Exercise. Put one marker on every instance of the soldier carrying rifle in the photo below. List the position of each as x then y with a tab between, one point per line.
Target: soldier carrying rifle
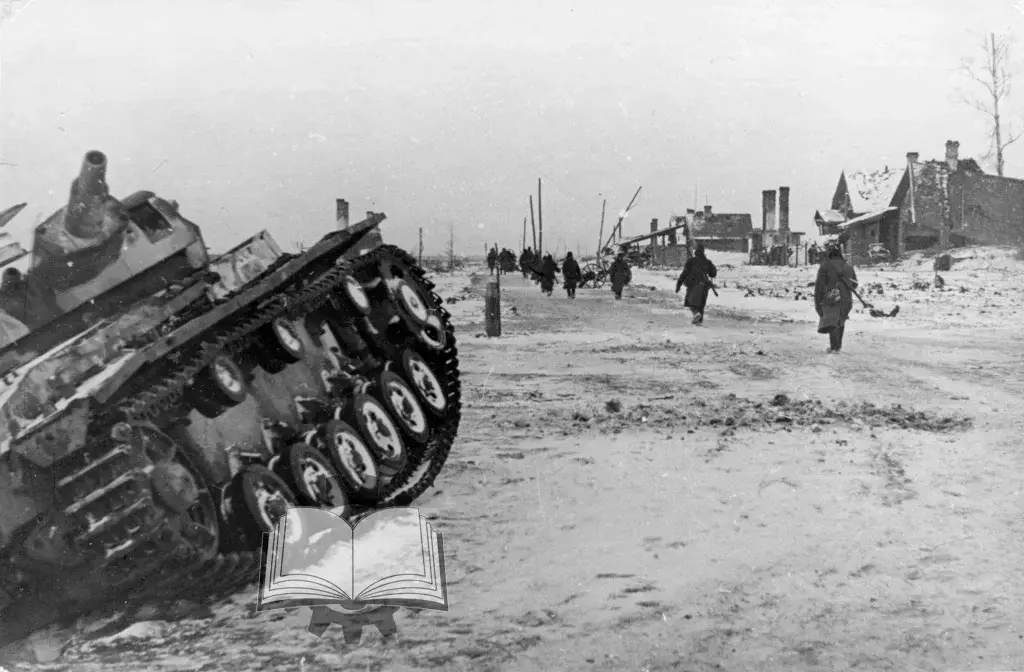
696	275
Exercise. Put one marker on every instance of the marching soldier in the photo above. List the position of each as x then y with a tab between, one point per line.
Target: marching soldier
696	275
571	273
833	295
620	274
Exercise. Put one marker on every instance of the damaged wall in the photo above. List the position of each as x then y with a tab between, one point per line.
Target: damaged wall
978	209
987	209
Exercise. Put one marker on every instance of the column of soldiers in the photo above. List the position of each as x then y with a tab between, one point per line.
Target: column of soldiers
505	261
833	288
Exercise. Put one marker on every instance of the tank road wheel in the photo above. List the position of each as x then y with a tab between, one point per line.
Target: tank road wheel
281	345
258	498
378	429
354	462
312	476
403	406
219	386
433	334
411	305
425	382
353	291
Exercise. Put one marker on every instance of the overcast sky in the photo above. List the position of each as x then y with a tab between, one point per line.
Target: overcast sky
259	113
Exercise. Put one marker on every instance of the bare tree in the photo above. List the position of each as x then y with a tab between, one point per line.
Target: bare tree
994	76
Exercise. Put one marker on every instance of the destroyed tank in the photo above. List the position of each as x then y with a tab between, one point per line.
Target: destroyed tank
162	407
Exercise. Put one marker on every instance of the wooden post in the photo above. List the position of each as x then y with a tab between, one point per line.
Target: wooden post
533	225
540	220
600	235
524	235
492	305
421	247
492	308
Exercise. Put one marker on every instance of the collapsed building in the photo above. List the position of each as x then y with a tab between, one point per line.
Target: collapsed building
724	232
774	244
924	204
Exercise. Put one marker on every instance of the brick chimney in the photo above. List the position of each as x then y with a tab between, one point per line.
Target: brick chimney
341	213
783	208
654	225
707	210
952	155
768	210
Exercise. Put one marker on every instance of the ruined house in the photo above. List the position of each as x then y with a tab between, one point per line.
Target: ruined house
926	204
775	232
725	232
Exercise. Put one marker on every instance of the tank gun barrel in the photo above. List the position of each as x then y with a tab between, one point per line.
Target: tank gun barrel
84	215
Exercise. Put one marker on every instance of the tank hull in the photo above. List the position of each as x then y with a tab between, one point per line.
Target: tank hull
128	454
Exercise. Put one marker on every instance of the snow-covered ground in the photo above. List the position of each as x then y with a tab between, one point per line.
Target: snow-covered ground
631	492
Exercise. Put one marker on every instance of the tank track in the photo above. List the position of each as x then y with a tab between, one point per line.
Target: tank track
104	487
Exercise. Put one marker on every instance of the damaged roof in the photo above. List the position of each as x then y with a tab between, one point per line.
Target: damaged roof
874	191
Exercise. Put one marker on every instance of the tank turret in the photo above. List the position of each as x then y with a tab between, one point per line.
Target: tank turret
94	257
76	243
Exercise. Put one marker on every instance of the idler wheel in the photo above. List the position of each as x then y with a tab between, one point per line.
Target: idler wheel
312	476
175	486
354	463
378	429
403	406
221	385
426	383
259	498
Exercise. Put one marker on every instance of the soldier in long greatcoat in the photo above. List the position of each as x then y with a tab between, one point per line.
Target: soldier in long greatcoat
571	273
833	295
620	274
697	274
548	269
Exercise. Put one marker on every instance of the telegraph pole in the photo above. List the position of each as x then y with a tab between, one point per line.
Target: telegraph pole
540	220
533	225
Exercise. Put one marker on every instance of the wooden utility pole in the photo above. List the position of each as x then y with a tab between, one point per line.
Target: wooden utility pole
421	247
524	235
540	220
533	225
451	247
600	234
617	229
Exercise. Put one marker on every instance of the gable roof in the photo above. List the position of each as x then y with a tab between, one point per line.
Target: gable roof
874	191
